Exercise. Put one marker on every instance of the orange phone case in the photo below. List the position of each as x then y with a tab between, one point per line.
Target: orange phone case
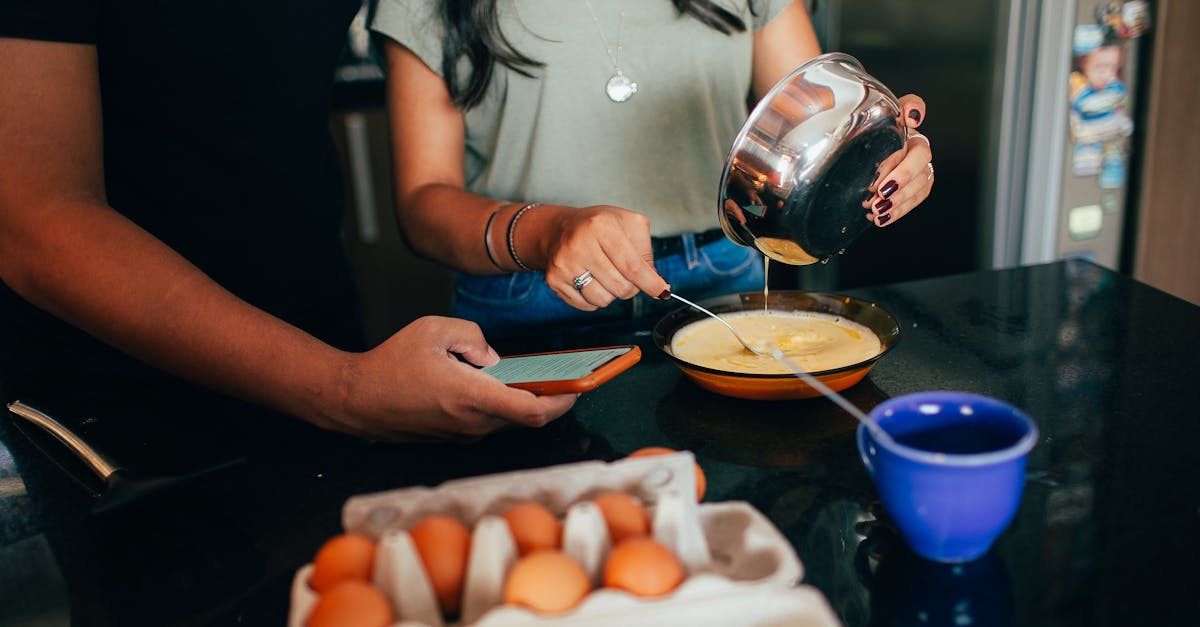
610	369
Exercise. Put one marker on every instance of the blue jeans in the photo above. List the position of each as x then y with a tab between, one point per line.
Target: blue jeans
518	303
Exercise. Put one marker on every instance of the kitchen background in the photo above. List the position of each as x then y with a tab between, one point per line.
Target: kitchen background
1018	181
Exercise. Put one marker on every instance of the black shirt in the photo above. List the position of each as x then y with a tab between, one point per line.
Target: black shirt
217	141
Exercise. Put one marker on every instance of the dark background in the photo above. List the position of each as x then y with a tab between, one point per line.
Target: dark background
944	52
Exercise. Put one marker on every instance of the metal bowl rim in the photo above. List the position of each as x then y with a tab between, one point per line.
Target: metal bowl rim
764	103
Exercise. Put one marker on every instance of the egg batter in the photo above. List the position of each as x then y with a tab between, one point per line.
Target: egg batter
815	342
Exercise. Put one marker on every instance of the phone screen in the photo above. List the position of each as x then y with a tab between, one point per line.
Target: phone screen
553	366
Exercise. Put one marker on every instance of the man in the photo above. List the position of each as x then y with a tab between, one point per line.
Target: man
170	202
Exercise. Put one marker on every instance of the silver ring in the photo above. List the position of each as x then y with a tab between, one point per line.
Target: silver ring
583	280
930	170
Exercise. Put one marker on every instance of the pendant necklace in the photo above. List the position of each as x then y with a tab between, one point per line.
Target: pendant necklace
619	87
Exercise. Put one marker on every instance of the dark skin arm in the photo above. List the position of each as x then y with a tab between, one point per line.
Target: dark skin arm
66	251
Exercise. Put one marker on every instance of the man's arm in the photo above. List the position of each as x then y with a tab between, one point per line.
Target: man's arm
65	250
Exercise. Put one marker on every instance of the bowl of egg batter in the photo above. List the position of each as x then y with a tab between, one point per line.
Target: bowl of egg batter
835	338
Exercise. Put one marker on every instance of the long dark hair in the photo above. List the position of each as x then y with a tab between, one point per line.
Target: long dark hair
472	31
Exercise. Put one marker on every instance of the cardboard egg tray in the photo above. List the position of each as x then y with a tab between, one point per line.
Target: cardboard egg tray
740	568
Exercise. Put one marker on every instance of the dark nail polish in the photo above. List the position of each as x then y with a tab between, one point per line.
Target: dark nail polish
915	115
883	206
666	295
889	188
883	218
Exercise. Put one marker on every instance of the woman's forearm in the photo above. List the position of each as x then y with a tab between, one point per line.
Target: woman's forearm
476	234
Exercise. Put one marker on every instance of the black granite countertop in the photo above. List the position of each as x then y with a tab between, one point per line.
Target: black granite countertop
1107	532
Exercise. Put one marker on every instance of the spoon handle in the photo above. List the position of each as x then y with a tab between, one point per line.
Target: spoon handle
722	321
816	384
841	401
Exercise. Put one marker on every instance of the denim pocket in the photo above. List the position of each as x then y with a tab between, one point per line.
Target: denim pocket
510	302
722	268
725	258
511	290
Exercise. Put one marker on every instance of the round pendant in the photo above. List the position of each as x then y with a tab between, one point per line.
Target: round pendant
619	88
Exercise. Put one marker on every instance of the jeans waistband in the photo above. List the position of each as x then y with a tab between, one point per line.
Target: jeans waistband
667	246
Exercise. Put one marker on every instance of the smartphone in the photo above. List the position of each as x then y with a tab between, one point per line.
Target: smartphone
564	372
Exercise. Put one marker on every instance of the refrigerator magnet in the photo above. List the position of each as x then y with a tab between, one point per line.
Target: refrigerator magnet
1112	168
1087	38
1136	16
1086	158
1085	222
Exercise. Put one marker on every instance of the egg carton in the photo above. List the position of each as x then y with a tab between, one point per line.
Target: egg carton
740	568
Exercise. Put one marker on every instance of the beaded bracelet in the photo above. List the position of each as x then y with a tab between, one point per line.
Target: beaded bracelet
512	243
487	239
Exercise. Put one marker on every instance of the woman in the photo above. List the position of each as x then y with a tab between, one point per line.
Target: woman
614	117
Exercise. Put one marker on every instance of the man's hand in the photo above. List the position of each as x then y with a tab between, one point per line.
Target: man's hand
424	382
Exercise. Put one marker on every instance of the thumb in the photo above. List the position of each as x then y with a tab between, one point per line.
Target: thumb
465	339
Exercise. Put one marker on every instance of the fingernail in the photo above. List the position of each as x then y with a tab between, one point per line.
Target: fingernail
883	218
883	206
889	188
666	295
915	115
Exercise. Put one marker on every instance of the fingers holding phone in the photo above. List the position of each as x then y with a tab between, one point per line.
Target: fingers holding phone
424	382
517	407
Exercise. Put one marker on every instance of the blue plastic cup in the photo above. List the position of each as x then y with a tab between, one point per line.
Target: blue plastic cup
951	470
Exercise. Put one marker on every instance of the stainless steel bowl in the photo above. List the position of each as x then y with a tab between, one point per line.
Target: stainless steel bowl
798	177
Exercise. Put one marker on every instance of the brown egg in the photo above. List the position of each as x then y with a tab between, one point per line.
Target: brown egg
342	557
352	603
643	567
623	515
546	581
701	480
533	527
443	544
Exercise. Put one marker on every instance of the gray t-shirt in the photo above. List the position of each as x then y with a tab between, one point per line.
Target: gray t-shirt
557	138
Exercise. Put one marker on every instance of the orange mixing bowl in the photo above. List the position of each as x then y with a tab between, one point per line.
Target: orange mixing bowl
780	386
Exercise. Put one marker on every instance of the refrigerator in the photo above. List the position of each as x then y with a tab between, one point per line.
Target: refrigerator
1066	191
1019	179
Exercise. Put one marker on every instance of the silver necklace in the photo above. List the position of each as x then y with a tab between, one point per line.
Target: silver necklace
619	87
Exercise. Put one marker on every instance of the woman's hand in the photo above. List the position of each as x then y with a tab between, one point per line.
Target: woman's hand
611	245
904	185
